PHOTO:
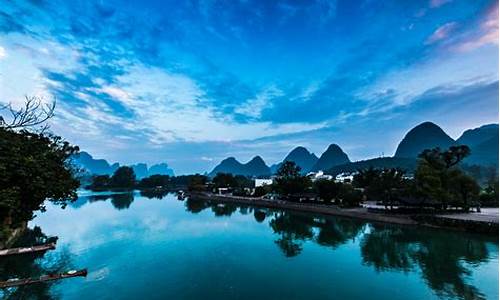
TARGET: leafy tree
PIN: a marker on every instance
(154, 181)
(225, 180)
(33, 167)
(349, 196)
(381, 184)
(124, 177)
(262, 190)
(197, 182)
(289, 179)
(463, 188)
(489, 196)
(100, 182)
(243, 181)
(438, 177)
(328, 190)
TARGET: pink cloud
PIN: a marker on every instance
(441, 33)
(486, 34)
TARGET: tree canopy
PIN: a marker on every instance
(289, 179)
(33, 167)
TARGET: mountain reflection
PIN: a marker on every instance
(443, 259)
(440, 256)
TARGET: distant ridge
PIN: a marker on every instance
(476, 136)
(101, 167)
(255, 167)
(483, 142)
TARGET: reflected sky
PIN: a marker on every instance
(166, 248)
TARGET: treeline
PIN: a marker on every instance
(438, 182)
(125, 178)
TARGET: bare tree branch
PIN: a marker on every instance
(34, 113)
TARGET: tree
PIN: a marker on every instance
(327, 190)
(439, 178)
(124, 177)
(381, 184)
(289, 180)
(349, 196)
(33, 167)
(34, 113)
(100, 182)
(225, 180)
(197, 182)
(154, 181)
(463, 188)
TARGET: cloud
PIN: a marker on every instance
(3, 53)
(442, 32)
(486, 34)
(253, 108)
(438, 3)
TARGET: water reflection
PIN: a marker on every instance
(444, 260)
(440, 256)
(120, 200)
(31, 265)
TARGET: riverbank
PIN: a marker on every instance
(448, 221)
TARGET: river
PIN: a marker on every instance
(158, 247)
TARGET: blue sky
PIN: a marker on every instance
(192, 82)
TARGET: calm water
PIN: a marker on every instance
(151, 248)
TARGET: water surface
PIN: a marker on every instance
(157, 247)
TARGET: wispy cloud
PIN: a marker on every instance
(442, 33)
(486, 34)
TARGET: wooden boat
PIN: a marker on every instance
(25, 250)
(18, 282)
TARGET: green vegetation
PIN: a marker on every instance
(438, 182)
(239, 184)
(385, 185)
(439, 179)
(124, 179)
(293, 186)
(290, 181)
(33, 166)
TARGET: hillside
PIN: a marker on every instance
(424, 136)
(301, 157)
(333, 156)
(255, 167)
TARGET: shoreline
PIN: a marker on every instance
(424, 220)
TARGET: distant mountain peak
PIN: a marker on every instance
(255, 167)
(102, 167)
(257, 159)
(333, 156)
(426, 135)
(301, 157)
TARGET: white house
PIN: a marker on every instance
(319, 175)
(344, 177)
(263, 182)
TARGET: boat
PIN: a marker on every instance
(13, 282)
(25, 250)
